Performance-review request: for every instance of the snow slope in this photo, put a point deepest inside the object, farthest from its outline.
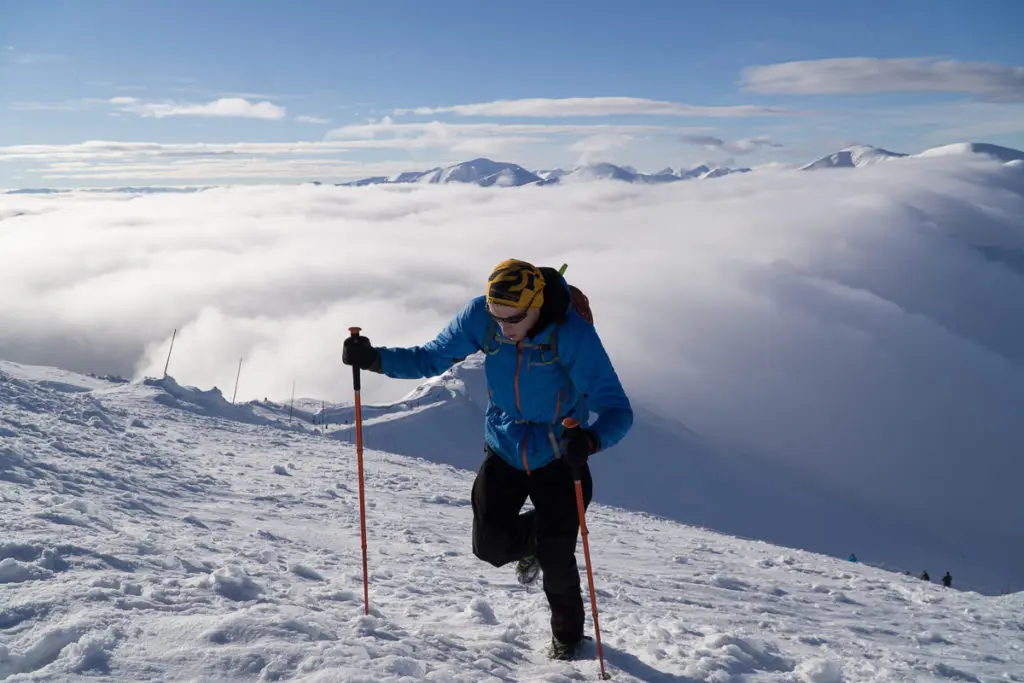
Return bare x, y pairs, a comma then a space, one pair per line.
155, 532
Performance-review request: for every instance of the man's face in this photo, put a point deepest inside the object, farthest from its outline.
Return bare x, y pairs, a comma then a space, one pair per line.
514, 323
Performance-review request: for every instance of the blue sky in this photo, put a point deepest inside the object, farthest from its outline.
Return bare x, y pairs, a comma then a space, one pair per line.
187, 92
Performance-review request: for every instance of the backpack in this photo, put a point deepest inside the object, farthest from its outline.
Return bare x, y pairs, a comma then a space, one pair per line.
581, 303
579, 300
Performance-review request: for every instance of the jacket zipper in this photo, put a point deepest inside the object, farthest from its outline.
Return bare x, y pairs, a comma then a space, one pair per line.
519, 365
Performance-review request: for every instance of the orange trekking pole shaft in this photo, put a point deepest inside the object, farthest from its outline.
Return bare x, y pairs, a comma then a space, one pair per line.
572, 423
359, 459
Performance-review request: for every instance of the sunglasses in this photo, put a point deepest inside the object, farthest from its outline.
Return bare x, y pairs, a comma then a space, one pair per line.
518, 317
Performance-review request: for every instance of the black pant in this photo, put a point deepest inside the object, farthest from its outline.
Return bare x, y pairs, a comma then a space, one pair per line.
502, 535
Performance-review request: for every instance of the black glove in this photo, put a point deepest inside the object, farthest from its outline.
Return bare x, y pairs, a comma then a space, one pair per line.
359, 352
577, 445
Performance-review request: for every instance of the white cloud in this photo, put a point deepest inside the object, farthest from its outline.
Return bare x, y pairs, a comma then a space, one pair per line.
311, 119
595, 147
856, 75
714, 144
594, 106
862, 327
454, 142
225, 169
234, 107
204, 169
503, 138
451, 139
438, 129
104, 149
150, 162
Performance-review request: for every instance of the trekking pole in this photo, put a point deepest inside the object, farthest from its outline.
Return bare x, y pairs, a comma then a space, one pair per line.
359, 459
573, 423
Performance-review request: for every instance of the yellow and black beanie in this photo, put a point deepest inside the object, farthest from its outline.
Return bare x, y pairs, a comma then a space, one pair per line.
516, 283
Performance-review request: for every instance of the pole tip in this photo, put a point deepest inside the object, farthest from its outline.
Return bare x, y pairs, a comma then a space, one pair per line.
570, 423
354, 331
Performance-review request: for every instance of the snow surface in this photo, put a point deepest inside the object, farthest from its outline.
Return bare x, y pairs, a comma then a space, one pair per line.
149, 535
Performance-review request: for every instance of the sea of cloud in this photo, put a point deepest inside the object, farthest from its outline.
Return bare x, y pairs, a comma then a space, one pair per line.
866, 326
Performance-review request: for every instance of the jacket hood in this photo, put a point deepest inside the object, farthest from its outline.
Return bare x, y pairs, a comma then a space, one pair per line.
556, 303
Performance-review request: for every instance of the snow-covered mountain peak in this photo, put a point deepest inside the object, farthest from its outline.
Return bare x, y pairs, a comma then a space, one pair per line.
695, 172
1005, 154
484, 172
854, 156
603, 171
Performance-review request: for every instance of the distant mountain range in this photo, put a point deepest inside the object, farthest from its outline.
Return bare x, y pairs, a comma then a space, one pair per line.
489, 173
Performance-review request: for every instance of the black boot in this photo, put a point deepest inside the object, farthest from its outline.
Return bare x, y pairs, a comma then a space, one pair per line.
566, 650
528, 566
527, 570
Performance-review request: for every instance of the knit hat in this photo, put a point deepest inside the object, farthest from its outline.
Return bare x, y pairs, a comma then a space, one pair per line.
517, 284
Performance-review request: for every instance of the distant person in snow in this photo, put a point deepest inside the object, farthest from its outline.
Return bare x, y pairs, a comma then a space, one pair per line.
544, 362
947, 580
924, 576
852, 558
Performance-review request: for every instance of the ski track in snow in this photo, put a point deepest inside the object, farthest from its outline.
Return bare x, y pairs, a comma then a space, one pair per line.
157, 533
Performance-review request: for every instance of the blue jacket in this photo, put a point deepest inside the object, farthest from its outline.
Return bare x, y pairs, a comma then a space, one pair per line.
563, 371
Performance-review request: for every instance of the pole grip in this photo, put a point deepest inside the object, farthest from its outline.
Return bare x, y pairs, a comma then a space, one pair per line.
356, 383
573, 423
